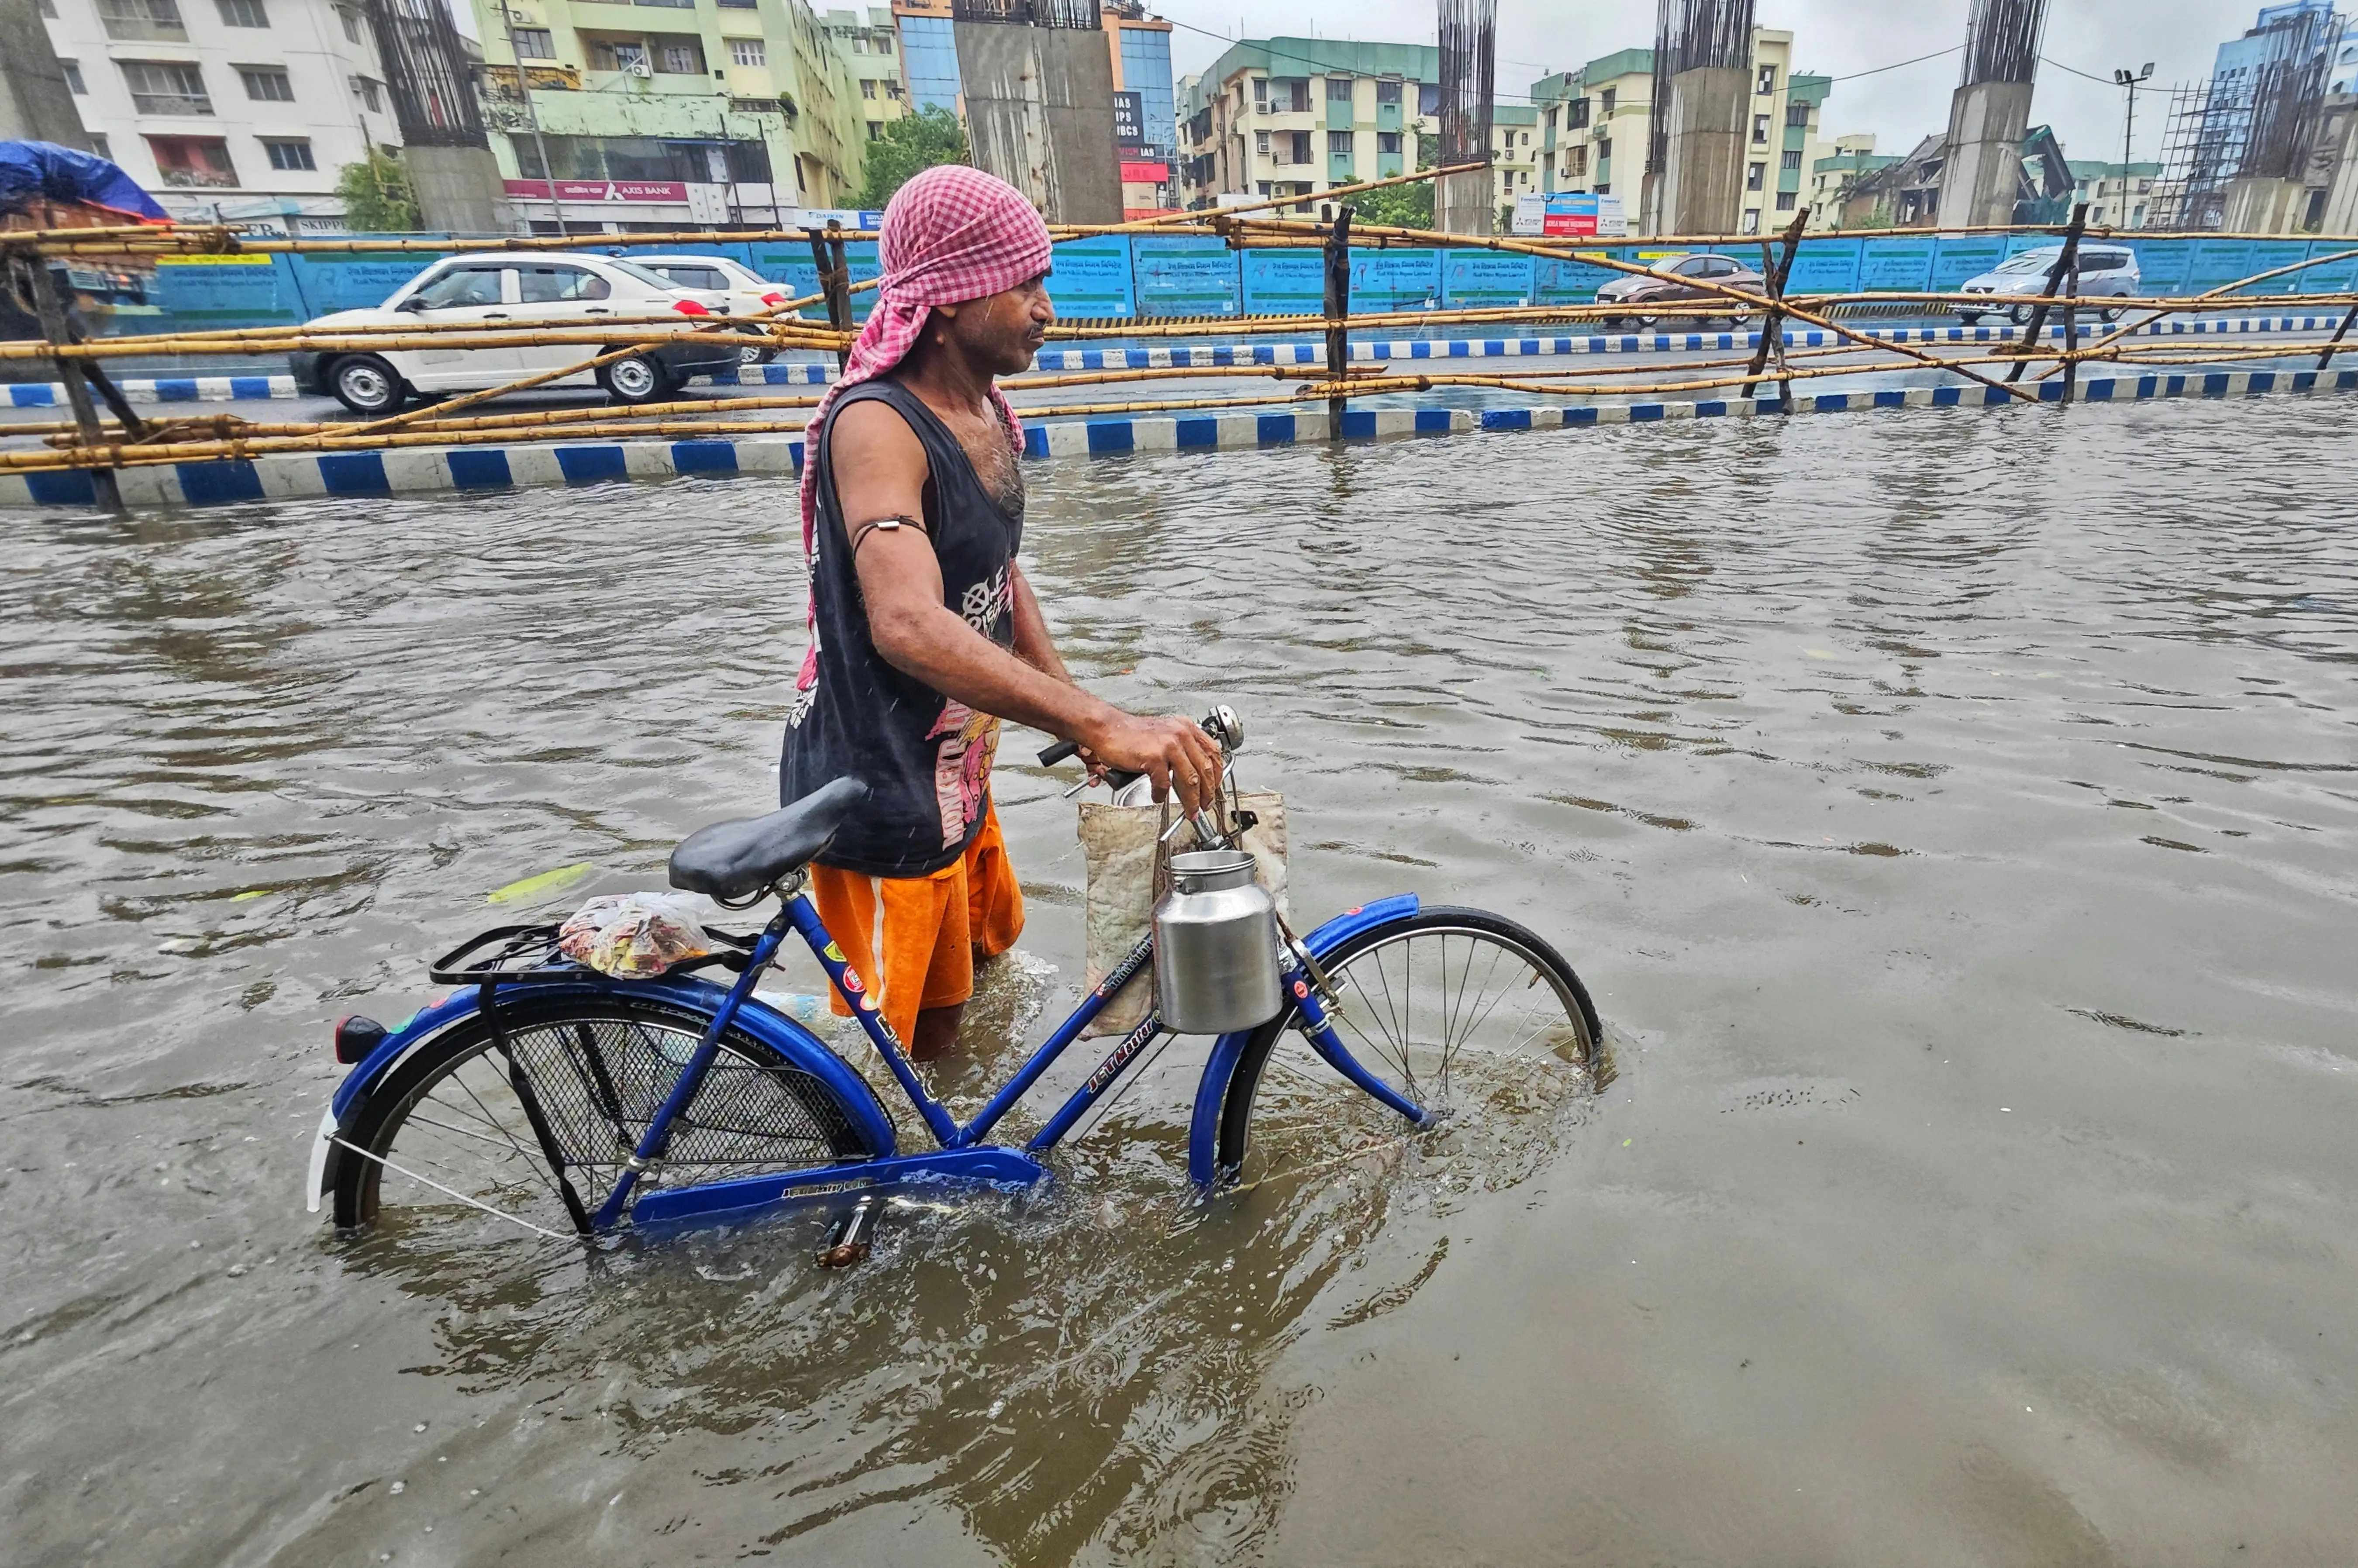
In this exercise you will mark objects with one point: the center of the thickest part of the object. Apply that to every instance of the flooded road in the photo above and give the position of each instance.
(1955, 821)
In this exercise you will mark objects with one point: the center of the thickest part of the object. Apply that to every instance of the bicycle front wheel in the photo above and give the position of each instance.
(463, 1132)
(1467, 1014)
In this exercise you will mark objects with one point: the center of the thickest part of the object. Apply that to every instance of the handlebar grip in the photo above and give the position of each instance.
(1117, 779)
(1059, 752)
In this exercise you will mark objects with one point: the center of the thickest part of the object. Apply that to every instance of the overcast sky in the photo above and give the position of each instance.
(1834, 38)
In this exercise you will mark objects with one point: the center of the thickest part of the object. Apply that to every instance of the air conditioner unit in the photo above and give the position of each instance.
(642, 68)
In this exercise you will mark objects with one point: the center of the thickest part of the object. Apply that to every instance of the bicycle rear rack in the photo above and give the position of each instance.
(524, 955)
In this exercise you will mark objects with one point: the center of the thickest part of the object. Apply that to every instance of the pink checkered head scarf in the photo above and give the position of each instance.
(951, 234)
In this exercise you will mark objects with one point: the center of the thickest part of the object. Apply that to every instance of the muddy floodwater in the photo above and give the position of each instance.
(1955, 818)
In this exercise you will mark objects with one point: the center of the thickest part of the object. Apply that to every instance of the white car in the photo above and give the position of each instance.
(2109, 271)
(518, 289)
(748, 290)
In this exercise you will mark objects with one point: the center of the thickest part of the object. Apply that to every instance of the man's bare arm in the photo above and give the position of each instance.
(1032, 644)
(880, 473)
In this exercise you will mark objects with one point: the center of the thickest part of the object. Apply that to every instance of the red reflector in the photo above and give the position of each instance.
(774, 300)
(689, 307)
(356, 1037)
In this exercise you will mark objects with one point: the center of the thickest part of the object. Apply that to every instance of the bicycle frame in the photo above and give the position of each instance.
(801, 915)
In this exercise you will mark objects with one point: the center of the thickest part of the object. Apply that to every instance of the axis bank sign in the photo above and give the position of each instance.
(602, 189)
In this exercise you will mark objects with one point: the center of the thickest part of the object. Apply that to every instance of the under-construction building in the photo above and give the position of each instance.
(1466, 203)
(2235, 149)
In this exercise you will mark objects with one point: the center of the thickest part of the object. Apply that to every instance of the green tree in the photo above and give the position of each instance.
(378, 198)
(1402, 206)
(909, 146)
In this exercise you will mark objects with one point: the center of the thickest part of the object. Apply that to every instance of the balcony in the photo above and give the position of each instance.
(171, 103)
(207, 179)
(663, 83)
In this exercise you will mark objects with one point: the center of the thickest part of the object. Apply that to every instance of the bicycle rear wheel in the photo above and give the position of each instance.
(451, 1133)
(1468, 1014)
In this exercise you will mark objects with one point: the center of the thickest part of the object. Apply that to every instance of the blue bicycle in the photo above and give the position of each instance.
(543, 1094)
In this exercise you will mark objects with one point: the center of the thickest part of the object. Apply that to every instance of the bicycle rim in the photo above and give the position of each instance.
(455, 1144)
(1482, 1025)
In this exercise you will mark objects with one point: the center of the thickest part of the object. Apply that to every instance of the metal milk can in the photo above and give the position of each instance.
(1216, 946)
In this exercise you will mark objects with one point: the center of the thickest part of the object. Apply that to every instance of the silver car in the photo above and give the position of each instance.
(2110, 271)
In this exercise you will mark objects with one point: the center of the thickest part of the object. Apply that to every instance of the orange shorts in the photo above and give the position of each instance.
(913, 940)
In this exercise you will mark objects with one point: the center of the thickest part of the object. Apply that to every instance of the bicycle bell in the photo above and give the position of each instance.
(1223, 725)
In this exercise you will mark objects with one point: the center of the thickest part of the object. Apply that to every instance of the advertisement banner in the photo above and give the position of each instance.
(2269, 254)
(1129, 122)
(1185, 274)
(1089, 279)
(1392, 280)
(1487, 277)
(1570, 281)
(1283, 283)
(1897, 263)
(1576, 213)
(227, 291)
(2216, 263)
(2161, 265)
(2333, 276)
(328, 281)
(1825, 266)
(1962, 257)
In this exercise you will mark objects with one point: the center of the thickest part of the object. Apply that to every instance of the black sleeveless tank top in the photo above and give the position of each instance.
(925, 757)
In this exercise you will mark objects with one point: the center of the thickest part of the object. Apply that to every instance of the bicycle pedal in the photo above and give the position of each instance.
(849, 1244)
(843, 1255)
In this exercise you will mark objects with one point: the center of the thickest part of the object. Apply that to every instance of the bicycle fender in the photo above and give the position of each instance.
(790, 1040)
(1212, 1089)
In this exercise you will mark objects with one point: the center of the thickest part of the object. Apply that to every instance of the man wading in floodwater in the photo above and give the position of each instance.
(923, 633)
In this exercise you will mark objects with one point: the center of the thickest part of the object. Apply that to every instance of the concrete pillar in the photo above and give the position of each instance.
(1699, 189)
(2258, 204)
(1039, 115)
(1466, 203)
(1984, 170)
(459, 192)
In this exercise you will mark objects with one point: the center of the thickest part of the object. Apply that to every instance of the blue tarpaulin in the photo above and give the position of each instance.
(31, 171)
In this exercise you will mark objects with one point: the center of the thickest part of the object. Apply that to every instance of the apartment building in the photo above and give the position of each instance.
(872, 53)
(1852, 158)
(1515, 155)
(240, 111)
(1146, 121)
(667, 115)
(1288, 116)
(1595, 125)
(2118, 195)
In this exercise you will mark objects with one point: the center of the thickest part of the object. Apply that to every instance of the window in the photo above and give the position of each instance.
(351, 21)
(1605, 189)
(681, 59)
(1605, 101)
(1338, 90)
(1388, 93)
(617, 56)
(1575, 114)
(692, 277)
(1300, 150)
(1298, 97)
(1604, 148)
(74, 83)
(554, 283)
(167, 87)
(892, 90)
(1260, 92)
(1785, 200)
(1340, 142)
(369, 98)
(875, 130)
(1754, 175)
(1751, 221)
(289, 155)
(883, 43)
(1759, 130)
(242, 12)
(462, 286)
(49, 9)
(1576, 162)
(99, 145)
(1792, 160)
(193, 160)
(1768, 82)
(1797, 116)
(267, 83)
(1388, 141)
(1261, 143)
(535, 43)
(156, 19)
(867, 90)
(2096, 215)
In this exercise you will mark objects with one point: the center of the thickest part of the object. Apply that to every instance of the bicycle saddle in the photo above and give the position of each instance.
(737, 860)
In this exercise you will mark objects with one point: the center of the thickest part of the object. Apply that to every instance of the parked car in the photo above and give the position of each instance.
(1631, 290)
(2110, 271)
(521, 290)
(748, 290)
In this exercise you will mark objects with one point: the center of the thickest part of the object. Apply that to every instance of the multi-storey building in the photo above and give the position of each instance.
(929, 62)
(1831, 175)
(666, 114)
(1142, 84)
(228, 109)
(1296, 116)
(1596, 125)
(1515, 155)
(2118, 195)
(871, 51)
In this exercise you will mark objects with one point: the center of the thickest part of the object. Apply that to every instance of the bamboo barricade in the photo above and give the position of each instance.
(88, 442)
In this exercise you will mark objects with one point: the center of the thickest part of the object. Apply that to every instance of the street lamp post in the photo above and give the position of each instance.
(2128, 83)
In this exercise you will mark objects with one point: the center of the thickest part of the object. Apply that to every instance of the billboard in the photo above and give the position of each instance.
(1129, 123)
(1575, 212)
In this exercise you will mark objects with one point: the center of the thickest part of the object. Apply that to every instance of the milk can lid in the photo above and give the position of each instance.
(1208, 871)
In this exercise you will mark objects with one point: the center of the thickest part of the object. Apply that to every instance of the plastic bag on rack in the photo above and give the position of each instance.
(635, 935)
